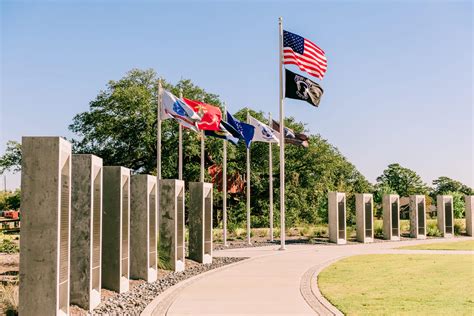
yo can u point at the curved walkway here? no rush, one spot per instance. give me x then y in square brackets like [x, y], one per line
[271, 282]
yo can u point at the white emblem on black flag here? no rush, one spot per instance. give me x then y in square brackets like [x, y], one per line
[302, 88]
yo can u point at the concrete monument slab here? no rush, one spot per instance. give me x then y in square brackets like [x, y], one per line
[365, 217]
[337, 217]
[86, 231]
[171, 224]
[418, 216]
[391, 217]
[444, 207]
[45, 226]
[143, 224]
[469, 210]
[200, 222]
[116, 229]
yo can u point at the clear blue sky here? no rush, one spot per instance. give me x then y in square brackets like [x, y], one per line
[398, 86]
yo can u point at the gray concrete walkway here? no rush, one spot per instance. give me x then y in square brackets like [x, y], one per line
[271, 282]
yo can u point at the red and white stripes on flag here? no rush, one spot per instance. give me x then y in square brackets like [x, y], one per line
[305, 54]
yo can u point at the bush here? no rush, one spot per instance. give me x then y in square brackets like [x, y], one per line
[378, 229]
[457, 229]
[9, 299]
[320, 231]
[433, 231]
[7, 245]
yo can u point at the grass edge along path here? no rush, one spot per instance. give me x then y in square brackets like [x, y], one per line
[388, 284]
[455, 245]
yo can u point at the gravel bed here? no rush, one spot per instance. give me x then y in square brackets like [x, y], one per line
[135, 301]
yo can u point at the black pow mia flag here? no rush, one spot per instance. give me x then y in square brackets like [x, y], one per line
[301, 88]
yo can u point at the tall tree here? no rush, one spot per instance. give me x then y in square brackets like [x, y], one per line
[120, 127]
[11, 160]
[401, 180]
[444, 185]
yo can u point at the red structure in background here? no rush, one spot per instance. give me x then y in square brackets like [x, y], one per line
[235, 182]
[11, 214]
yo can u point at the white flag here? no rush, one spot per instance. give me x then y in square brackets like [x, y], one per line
[173, 107]
[263, 132]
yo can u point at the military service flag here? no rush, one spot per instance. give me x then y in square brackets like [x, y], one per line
[301, 88]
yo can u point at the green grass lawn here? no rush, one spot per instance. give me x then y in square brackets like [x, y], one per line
[456, 245]
[401, 284]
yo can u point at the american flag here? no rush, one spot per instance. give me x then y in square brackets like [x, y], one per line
[305, 54]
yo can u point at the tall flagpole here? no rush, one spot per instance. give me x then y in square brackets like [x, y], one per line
[248, 189]
[180, 144]
[270, 179]
[282, 140]
[201, 178]
[158, 132]
[224, 185]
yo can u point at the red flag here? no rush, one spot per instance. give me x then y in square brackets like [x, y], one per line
[210, 115]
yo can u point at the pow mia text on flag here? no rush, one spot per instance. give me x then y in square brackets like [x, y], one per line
[301, 88]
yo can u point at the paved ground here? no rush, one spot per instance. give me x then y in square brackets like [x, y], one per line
[272, 282]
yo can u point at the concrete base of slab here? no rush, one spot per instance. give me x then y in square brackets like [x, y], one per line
[367, 240]
[94, 298]
[207, 259]
[341, 242]
[124, 284]
[152, 275]
[179, 266]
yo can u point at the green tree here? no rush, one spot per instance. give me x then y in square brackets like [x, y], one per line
[458, 204]
[11, 160]
[120, 127]
[443, 185]
[10, 200]
[401, 180]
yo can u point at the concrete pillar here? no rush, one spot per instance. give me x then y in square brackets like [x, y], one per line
[365, 217]
[417, 216]
[337, 217]
[171, 224]
[391, 217]
[45, 226]
[445, 206]
[116, 229]
[200, 222]
[469, 210]
[143, 225]
[86, 231]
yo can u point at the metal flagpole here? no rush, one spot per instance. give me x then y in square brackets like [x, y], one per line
[201, 178]
[248, 189]
[158, 132]
[180, 144]
[270, 179]
[224, 186]
[282, 140]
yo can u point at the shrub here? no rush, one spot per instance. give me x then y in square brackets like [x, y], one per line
[7, 245]
[457, 229]
[320, 231]
[378, 229]
[432, 230]
[9, 299]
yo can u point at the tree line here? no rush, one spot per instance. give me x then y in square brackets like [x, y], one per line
[120, 127]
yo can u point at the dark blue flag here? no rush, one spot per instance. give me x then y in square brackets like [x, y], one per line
[246, 131]
[226, 132]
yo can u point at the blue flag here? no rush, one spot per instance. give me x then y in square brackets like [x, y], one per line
[226, 132]
[246, 131]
